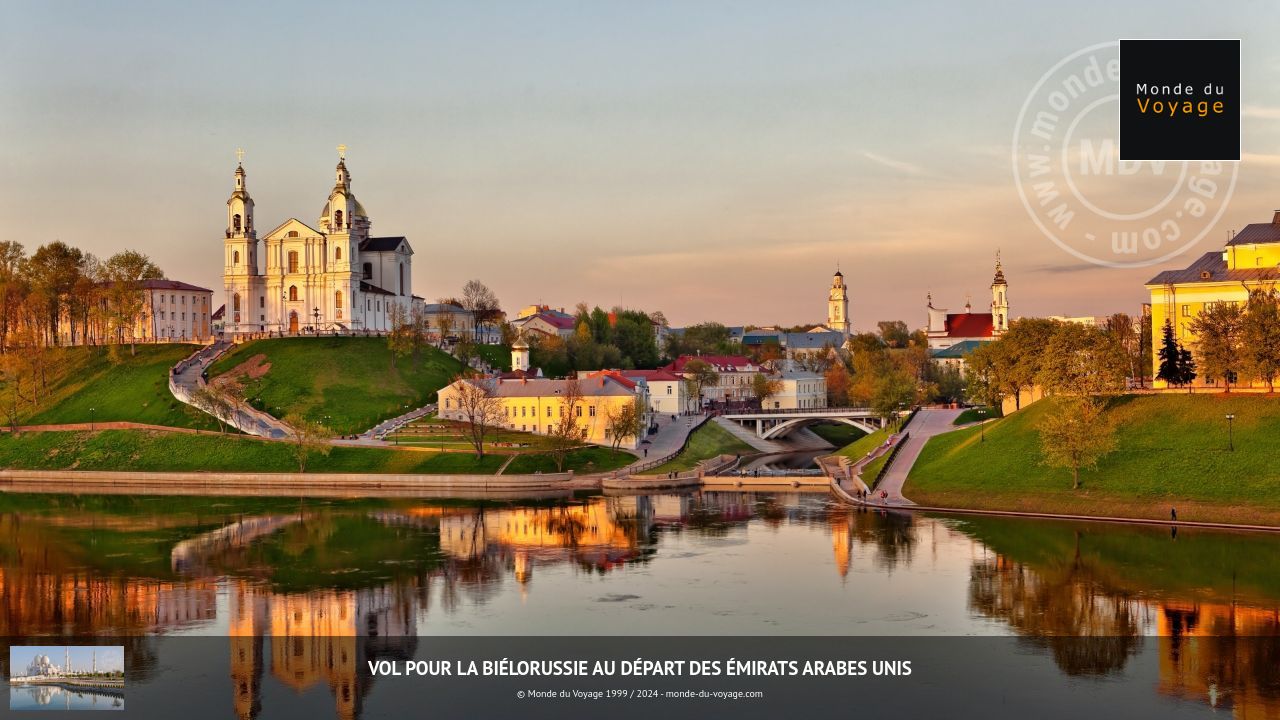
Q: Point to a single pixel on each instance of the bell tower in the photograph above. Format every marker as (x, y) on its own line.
(838, 305)
(241, 243)
(999, 301)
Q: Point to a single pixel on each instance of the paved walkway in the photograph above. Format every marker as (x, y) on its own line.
(926, 423)
(188, 376)
(669, 438)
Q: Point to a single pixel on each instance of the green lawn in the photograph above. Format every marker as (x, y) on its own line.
(498, 356)
(864, 445)
(972, 415)
(347, 384)
(1171, 451)
(873, 467)
(838, 434)
(585, 460)
(88, 386)
(707, 441)
(174, 452)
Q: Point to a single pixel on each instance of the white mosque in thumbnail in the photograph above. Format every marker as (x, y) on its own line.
(42, 666)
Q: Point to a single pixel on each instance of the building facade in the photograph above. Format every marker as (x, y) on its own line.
(335, 277)
(945, 329)
(170, 311)
(838, 306)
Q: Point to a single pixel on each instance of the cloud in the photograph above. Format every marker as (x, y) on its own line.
(900, 165)
(1259, 111)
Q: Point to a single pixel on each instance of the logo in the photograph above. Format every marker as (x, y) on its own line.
(1083, 196)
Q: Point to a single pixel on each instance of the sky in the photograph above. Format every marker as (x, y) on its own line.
(110, 657)
(712, 160)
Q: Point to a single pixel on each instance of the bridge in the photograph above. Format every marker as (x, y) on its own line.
(772, 424)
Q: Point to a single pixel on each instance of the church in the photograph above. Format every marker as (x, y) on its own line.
(965, 330)
(334, 277)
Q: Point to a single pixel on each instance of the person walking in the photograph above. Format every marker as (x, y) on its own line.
(1173, 514)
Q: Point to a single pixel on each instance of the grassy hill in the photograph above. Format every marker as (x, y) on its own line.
(148, 451)
(132, 388)
(347, 384)
(1171, 451)
(706, 442)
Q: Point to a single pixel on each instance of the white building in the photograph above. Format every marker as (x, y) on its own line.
(800, 389)
(333, 277)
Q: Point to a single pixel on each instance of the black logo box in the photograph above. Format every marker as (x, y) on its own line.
(1187, 68)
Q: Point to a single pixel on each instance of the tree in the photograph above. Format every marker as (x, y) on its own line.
(1260, 336)
(894, 333)
(565, 433)
(214, 403)
(1186, 367)
(1218, 347)
(894, 391)
(309, 438)
(837, 385)
(481, 302)
(1170, 356)
(479, 407)
(126, 297)
(698, 375)
(627, 420)
(13, 288)
(981, 383)
(1120, 327)
(1075, 435)
(53, 270)
(764, 387)
(1081, 360)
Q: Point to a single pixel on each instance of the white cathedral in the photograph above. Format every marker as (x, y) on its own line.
(336, 278)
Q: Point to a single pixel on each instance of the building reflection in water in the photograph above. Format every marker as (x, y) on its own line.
(316, 629)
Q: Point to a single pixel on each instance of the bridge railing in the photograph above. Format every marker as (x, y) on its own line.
(802, 411)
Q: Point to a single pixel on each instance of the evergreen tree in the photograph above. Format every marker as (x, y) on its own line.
(1186, 371)
(1170, 357)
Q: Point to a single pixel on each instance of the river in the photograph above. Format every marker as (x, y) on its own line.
(702, 563)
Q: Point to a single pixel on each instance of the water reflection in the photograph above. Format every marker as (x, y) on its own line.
(58, 697)
(306, 591)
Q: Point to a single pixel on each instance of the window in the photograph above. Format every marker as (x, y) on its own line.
(548, 411)
(367, 271)
(1186, 311)
(337, 299)
(579, 410)
(235, 222)
(235, 258)
(337, 253)
(293, 293)
(591, 411)
(235, 302)
(293, 261)
(337, 219)
(262, 301)
(401, 278)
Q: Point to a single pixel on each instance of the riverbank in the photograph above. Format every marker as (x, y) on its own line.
(1172, 451)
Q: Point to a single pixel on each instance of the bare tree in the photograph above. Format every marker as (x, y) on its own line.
(479, 408)
(309, 438)
(624, 422)
(481, 302)
(698, 374)
(566, 433)
(214, 403)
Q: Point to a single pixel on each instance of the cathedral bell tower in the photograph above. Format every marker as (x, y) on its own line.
(241, 243)
(838, 305)
(999, 301)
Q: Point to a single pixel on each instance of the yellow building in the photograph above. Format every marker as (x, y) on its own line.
(537, 404)
(1248, 261)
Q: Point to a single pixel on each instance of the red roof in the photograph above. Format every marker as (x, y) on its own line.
(969, 325)
(658, 375)
(612, 375)
(719, 362)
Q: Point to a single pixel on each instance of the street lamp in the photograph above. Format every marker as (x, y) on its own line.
(982, 426)
(1231, 445)
(315, 326)
(91, 419)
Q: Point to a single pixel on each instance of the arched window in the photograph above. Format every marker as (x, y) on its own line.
(293, 293)
(337, 253)
(235, 222)
(368, 271)
(235, 257)
(337, 299)
(337, 219)
(293, 261)
(235, 302)
(401, 278)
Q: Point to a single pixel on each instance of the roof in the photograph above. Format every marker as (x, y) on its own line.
(557, 320)
(217, 314)
(382, 244)
(613, 375)
(1216, 269)
(1258, 233)
(658, 375)
(442, 308)
(969, 325)
(813, 340)
(603, 385)
(959, 350)
(172, 285)
(720, 362)
(369, 287)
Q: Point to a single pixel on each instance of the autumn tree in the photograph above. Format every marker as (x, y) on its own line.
(124, 274)
(1219, 347)
(624, 421)
(893, 333)
(1260, 336)
(764, 387)
(1081, 360)
(698, 376)
(837, 377)
(1076, 435)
